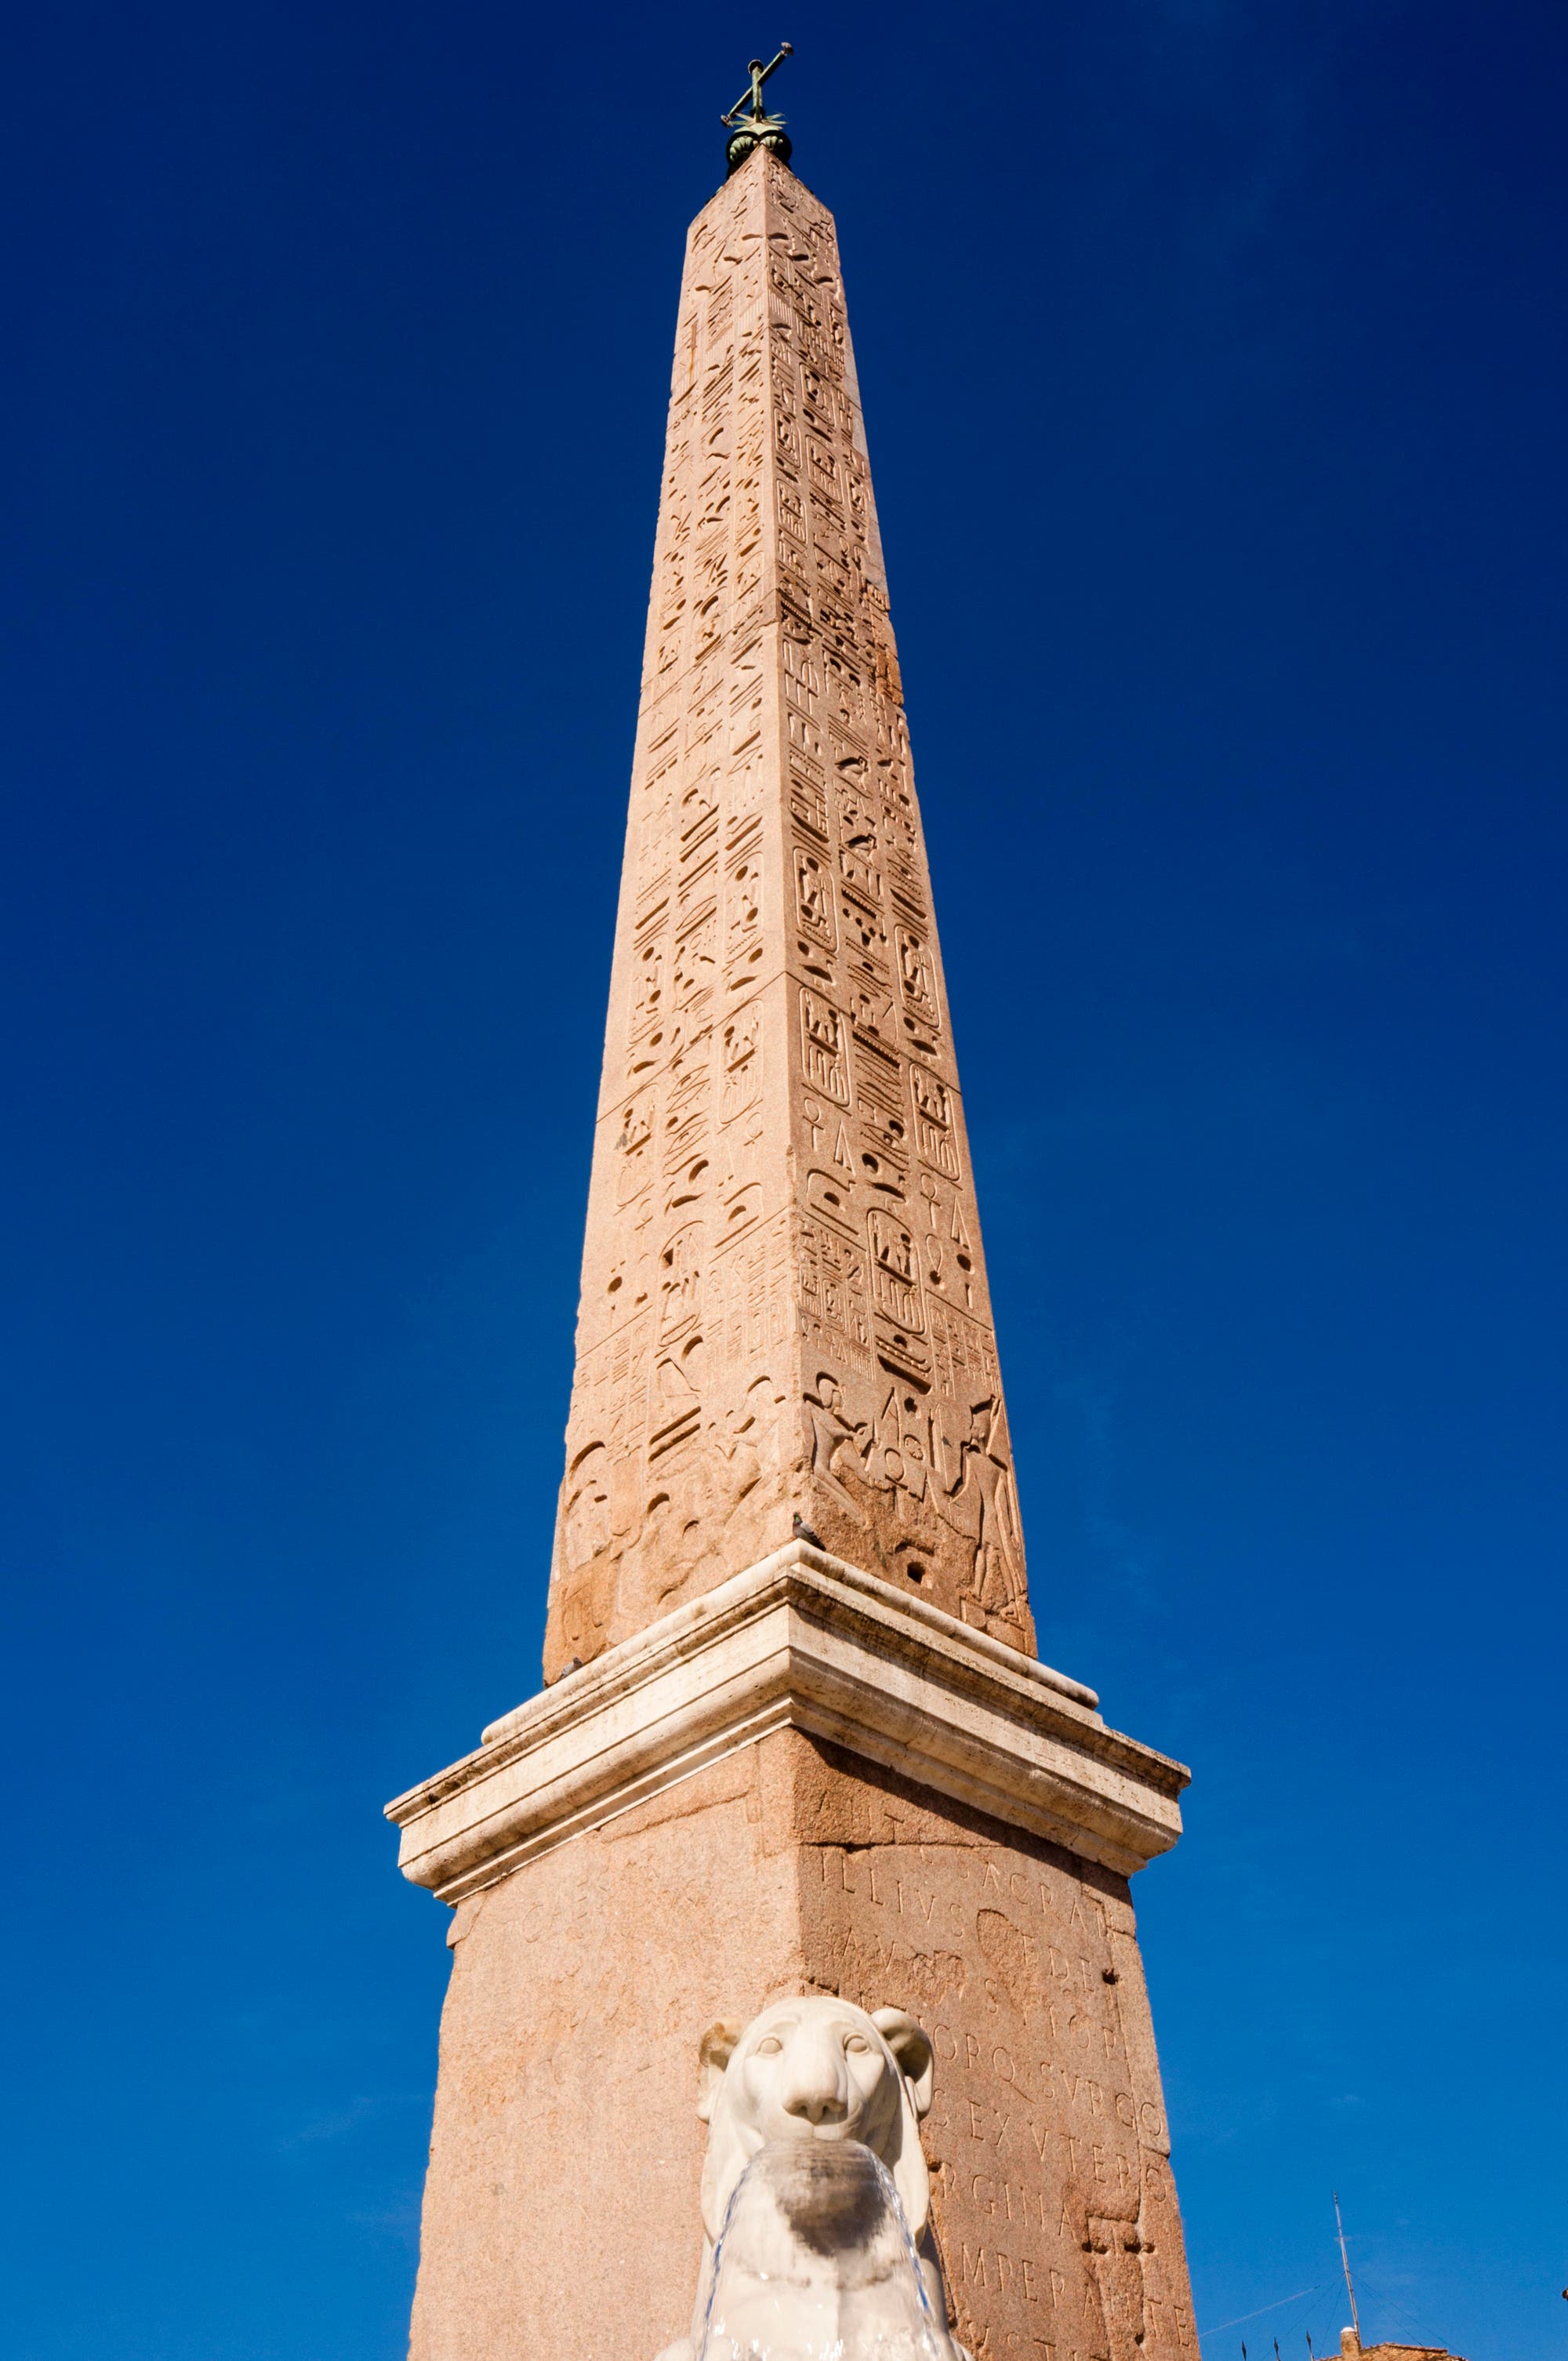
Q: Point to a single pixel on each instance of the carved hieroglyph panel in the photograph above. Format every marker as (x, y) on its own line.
(784, 1312)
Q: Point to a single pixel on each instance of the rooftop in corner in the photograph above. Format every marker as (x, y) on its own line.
(1352, 2349)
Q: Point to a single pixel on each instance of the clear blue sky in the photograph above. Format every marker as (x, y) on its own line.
(1214, 354)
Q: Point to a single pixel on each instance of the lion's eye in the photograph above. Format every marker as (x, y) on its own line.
(856, 2044)
(769, 2049)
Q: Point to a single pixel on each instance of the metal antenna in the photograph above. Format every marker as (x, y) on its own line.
(1344, 2258)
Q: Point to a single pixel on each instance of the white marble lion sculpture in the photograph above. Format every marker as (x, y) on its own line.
(811, 2069)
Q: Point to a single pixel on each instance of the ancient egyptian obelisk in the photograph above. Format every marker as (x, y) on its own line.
(797, 1738)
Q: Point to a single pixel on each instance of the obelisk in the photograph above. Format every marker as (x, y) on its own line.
(784, 1321)
(796, 1736)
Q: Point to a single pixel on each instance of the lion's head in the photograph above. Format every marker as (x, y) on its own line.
(814, 2069)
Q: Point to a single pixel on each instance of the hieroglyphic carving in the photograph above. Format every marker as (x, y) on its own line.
(784, 1310)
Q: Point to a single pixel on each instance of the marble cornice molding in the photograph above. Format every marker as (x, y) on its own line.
(801, 1641)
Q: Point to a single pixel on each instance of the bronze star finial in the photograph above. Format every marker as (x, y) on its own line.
(756, 127)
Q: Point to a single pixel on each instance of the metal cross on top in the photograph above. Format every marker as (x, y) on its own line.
(757, 129)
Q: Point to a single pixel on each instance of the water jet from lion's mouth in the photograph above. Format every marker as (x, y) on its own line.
(829, 2194)
(815, 2262)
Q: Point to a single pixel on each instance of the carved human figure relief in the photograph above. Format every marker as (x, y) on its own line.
(834, 1440)
(807, 2075)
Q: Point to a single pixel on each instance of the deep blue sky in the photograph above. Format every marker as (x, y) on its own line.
(1214, 354)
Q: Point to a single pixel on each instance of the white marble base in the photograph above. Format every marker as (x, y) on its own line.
(800, 1640)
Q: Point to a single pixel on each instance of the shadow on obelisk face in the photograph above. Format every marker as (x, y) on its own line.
(814, 2262)
(814, 2191)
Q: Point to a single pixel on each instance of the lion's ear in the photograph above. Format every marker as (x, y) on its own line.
(714, 2052)
(911, 2045)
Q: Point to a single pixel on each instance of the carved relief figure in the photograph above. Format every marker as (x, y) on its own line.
(831, 1434)
(743, 1447)
(636, 1165)
(741, 1074)
(933, 1122)
(813, 895)
(895, 1272)
(917, 976)
(822, 1036)
(984, 1508)
(587, 1513)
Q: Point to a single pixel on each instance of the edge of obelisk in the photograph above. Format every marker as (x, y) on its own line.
(806, 1640)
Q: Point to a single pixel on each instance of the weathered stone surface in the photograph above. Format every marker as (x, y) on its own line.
(805, 1642)
(562, 2207)
(1056, 2215)
(561, 2201)
(783, 1310)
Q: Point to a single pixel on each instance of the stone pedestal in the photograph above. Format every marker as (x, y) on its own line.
(802, 1781)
